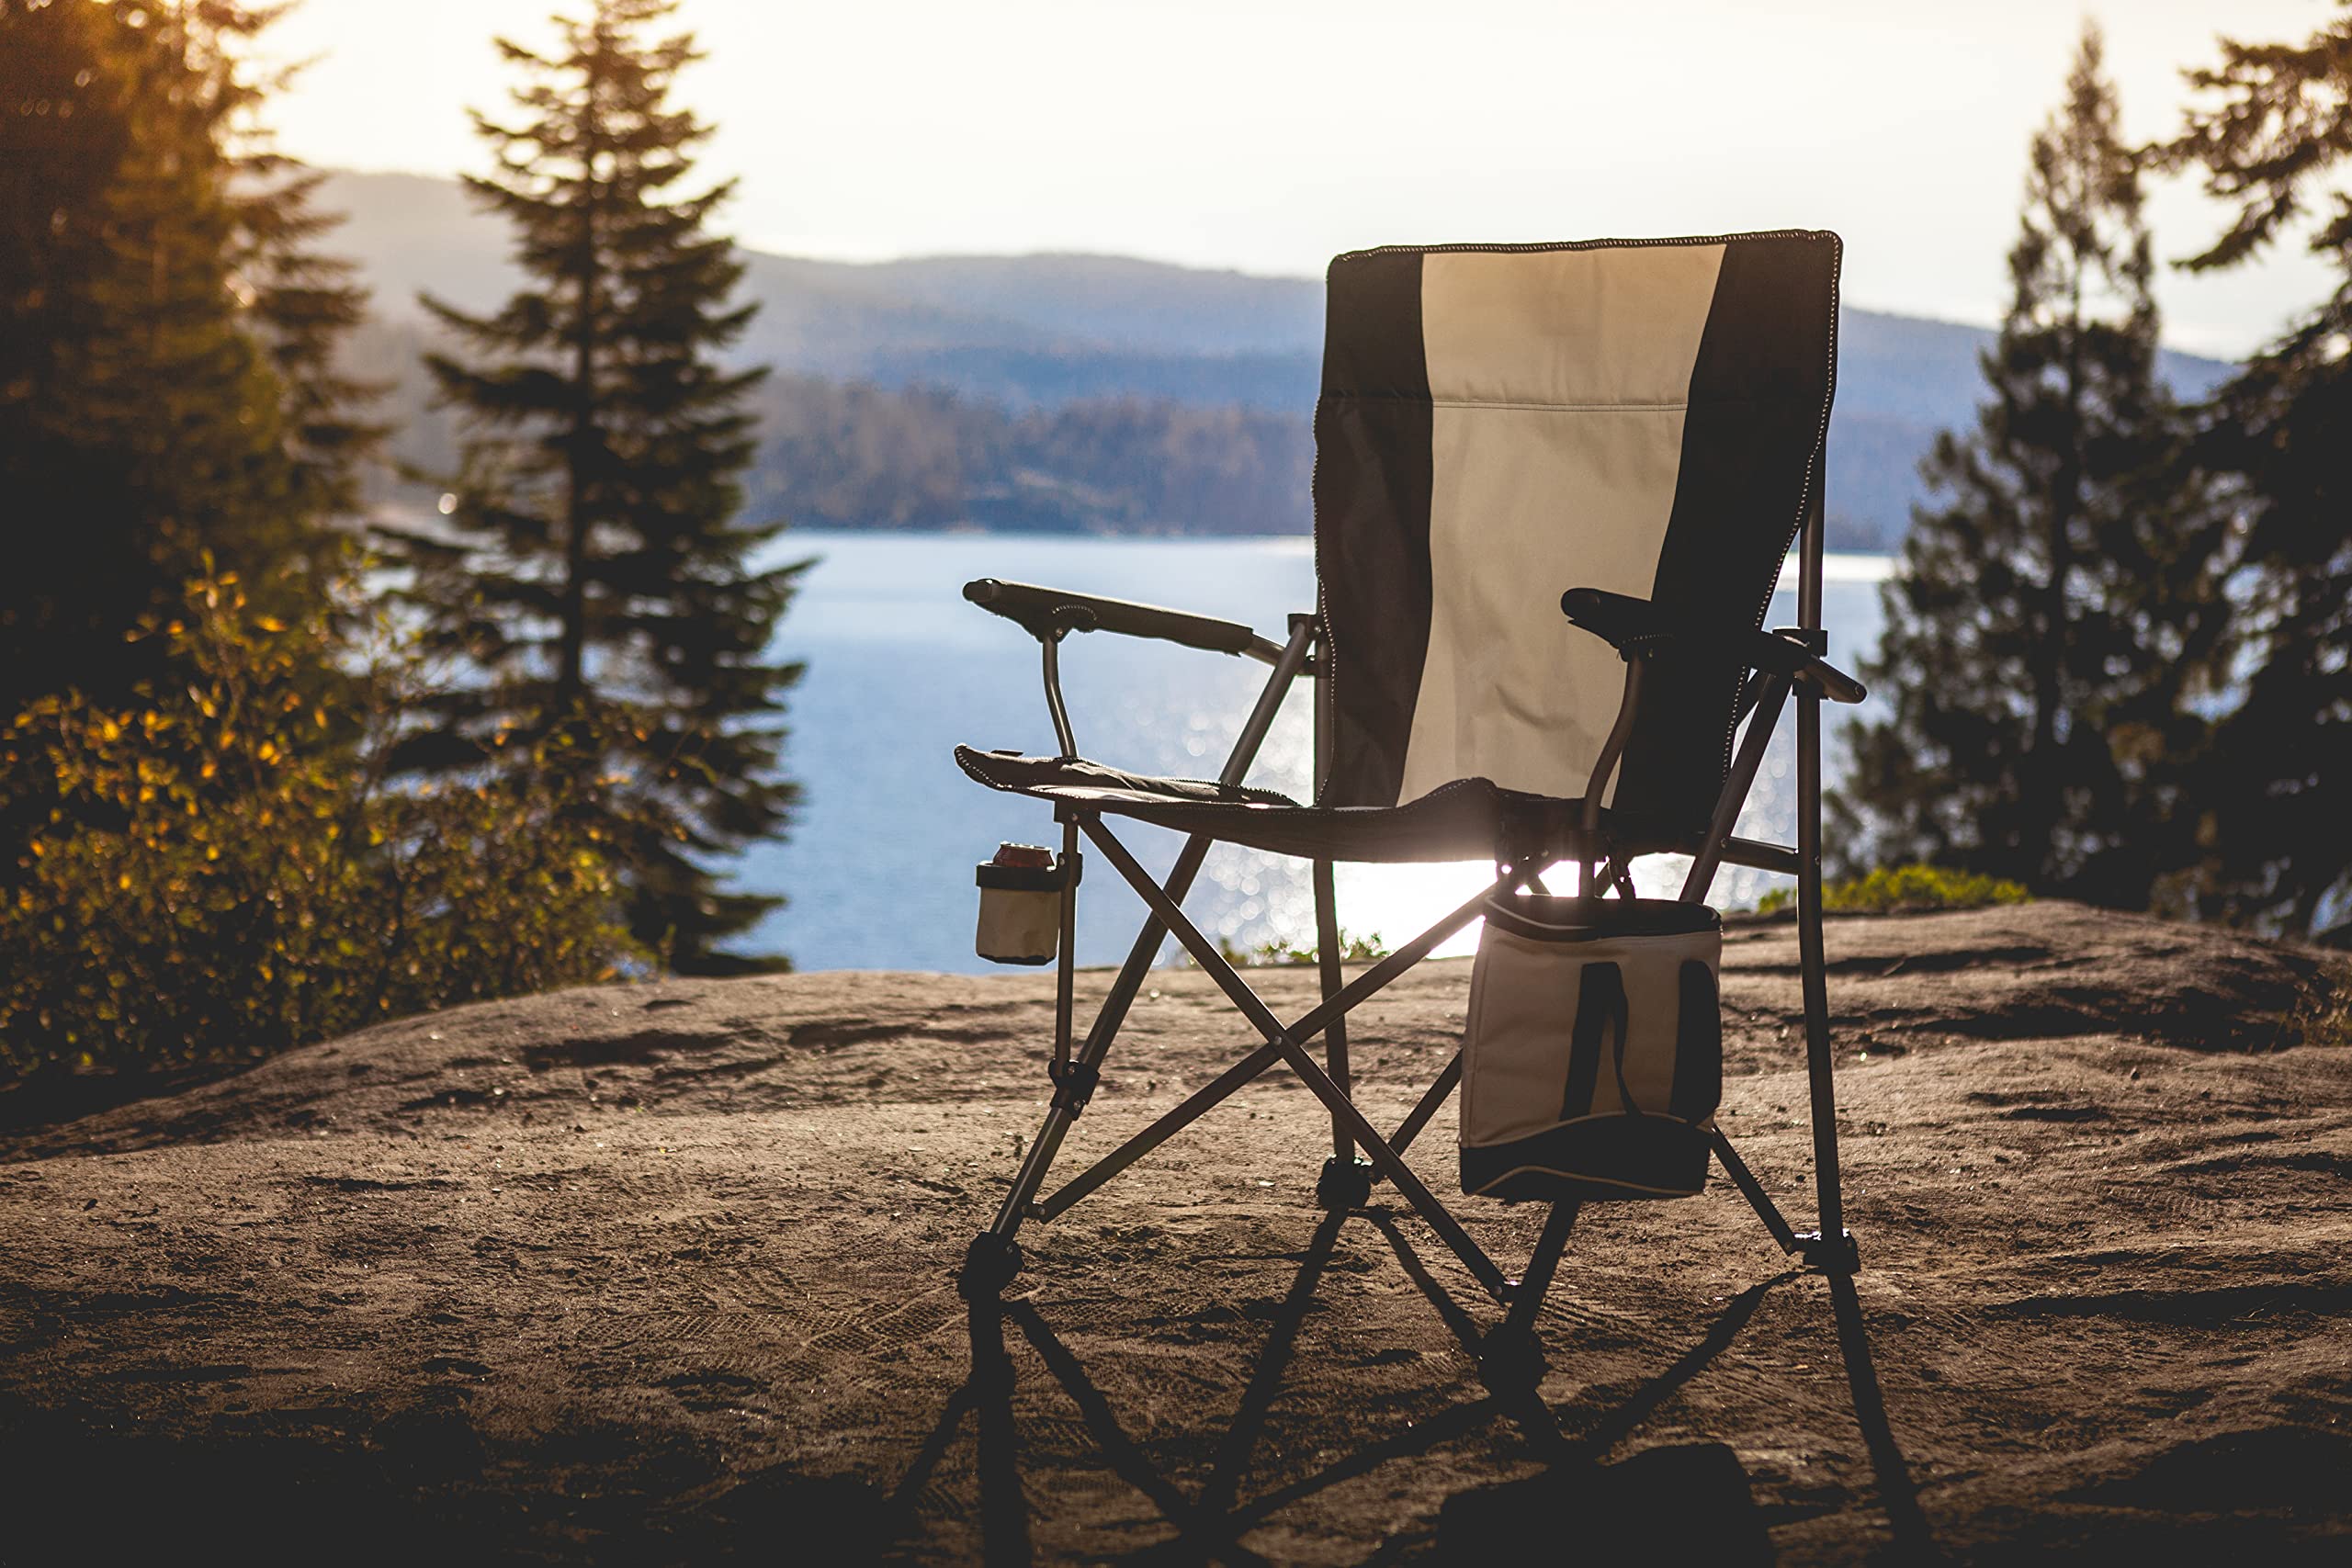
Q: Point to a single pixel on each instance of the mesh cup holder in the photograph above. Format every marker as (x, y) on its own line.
(1593, 1060)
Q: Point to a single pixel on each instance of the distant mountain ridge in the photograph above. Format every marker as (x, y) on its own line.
(1053, 336)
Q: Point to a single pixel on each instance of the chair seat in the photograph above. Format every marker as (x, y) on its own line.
(1468, 820)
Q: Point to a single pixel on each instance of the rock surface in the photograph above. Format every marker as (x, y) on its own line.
(663, 1272)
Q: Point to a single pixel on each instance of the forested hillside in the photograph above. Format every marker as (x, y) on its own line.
(1098, 394)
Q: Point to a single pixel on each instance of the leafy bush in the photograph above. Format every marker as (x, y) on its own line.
(230, 870)
(1906, 888)
(1280, 953)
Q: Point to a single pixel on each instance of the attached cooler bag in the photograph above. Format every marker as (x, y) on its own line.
(1594, 1059)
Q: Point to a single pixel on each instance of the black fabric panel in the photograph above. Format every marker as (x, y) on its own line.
(1759, 402)
(1600, 1005)
(1469, 819)
(1601, 1157)
(1371, 327)
(1697, 1045)
(1373, 477)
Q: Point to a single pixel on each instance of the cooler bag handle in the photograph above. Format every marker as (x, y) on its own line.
(1601, 1003)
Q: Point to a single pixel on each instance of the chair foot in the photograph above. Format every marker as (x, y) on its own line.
(1839, 1256)
(1511, 1359)
(1345, 1183)
(989, 1265)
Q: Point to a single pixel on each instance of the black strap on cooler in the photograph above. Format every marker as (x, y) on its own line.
(1600, 1002)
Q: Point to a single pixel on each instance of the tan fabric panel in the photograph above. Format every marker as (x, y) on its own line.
(1523, 1000)
(1573, 329)
(1559, 380)
(1515, 1057)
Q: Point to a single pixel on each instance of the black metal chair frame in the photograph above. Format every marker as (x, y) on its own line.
(1783, 664)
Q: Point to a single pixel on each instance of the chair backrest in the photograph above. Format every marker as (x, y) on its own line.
(1500, 423)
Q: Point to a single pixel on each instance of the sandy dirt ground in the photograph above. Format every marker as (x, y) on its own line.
(664, 1273)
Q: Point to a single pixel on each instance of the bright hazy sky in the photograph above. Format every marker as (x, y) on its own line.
(1268, 134)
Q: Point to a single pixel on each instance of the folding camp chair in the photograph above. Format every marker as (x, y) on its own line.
(1642, 424)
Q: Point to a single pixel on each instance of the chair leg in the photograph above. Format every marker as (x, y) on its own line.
(1830, 1248)
(1066, 966)
(1753, 1190)
(994, 1256)
(1346, 1181)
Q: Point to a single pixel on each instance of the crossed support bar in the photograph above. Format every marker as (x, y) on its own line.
(1288, 1042)
(995, 1254)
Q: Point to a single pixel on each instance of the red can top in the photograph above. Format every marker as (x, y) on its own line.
(1023, 855)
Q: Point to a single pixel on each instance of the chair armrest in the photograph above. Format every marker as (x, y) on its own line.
(1045, 612)
(1636, 630)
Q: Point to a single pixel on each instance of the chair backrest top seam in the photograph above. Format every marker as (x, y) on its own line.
(1541, 407)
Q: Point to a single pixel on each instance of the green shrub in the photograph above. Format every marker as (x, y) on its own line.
(1282, 953)
(1906, 888)
(231, 869)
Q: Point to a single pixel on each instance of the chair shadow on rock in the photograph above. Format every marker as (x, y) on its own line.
(1666, 1503)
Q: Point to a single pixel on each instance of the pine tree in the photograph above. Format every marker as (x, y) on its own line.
(156, 408)
(597, 571)
(2275, 123)
(148, 433)
(2038, 619)
(305, 306)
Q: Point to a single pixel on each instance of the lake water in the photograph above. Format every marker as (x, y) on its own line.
(878, 865)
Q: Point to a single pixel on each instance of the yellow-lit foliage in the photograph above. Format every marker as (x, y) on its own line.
(230, 870)
(1904, 889)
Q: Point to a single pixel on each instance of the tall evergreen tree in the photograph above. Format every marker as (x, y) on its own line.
(598, 572)
(2037, 620)
(2271, 131)
(166, 337)
(304, 306)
